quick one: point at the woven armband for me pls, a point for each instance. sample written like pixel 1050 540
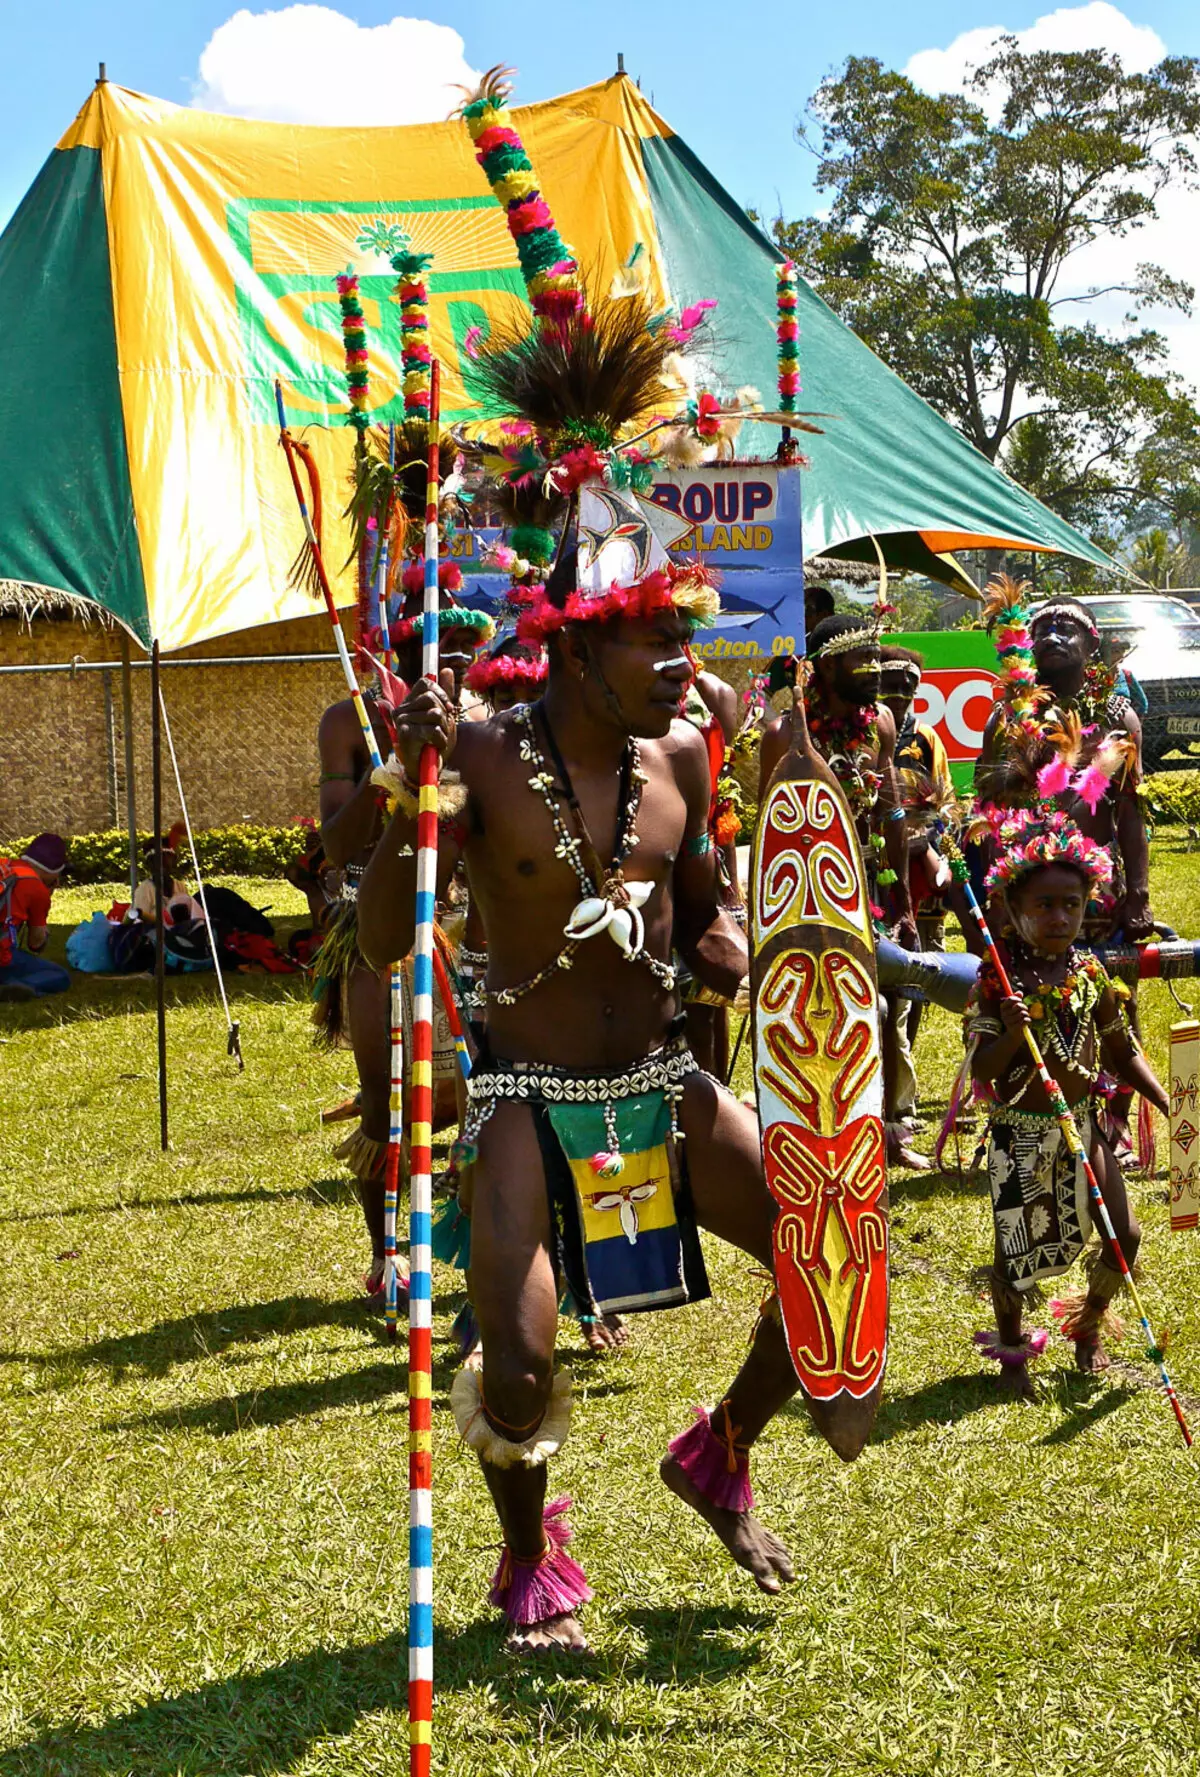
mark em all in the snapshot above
pixel 401 794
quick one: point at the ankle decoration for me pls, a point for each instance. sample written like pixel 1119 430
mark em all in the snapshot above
pixel 366 1159
pixel 1082 1318
pixel 1102 1280
pixel 714 1462
pixel 543 1438
pixel 552 1584
pixel 1013 1357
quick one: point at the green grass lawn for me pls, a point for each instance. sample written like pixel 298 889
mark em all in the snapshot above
pixel 203 1509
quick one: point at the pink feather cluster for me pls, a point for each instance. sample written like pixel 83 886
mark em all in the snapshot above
pixel 651 595
pixel 680 332
pixel 576 467
pixel 506 669
pixel 449 577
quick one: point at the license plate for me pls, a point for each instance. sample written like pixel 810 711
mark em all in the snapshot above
pixel 1183 724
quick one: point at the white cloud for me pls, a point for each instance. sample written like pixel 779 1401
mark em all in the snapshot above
pixel 1172 240
pixel 1097 25
pixel 310 64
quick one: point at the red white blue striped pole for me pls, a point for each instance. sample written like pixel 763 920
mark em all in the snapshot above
pixel 420 1258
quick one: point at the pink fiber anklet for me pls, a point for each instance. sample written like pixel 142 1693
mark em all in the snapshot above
pixel 553 1585
pixel 1013 1357
pixel 717 1469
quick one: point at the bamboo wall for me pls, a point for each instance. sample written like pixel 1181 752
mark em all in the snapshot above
pixel 245 735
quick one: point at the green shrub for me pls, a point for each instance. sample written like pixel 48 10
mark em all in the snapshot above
pixel 242 850
pixel 1173 796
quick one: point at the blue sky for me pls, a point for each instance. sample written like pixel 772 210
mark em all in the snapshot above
pixel 731 79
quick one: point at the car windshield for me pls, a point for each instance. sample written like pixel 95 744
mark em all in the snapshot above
pixel 1141 613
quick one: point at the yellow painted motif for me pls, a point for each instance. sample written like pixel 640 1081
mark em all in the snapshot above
pixel 648 1169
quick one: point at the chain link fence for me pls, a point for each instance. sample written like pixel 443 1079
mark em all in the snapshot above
pixel 76 734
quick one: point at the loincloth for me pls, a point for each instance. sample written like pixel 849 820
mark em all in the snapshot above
pixel 1039 1194
pixel 623 1227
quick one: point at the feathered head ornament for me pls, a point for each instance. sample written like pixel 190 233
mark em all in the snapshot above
pixel 1031 840
pixel 590 371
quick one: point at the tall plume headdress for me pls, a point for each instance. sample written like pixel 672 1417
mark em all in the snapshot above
pixel 577 387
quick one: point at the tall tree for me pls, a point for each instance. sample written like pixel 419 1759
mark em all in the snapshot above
pixel 950 240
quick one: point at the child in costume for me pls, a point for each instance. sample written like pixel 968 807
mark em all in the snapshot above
pixel 1040 887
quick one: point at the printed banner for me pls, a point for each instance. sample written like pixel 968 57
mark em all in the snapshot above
pixel 744 522
pixel 957 690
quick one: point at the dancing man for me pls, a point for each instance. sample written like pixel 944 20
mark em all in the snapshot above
pixel 351 996
pixel 598 1144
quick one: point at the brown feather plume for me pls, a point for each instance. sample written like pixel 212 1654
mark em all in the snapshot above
pixel 303 575
pixel 589 378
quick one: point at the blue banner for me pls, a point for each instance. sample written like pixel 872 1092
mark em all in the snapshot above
pixel 743 521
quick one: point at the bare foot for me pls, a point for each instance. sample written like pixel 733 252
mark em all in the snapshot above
pixel 609 1334
pixel 557 1635
pixel 752 1547
pixel 1091 1357
pixel 900 1151
pixel 1015 1381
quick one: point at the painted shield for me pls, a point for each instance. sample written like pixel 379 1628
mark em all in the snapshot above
pixel 819 1078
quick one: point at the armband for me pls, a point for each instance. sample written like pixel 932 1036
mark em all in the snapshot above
pixel 404 795
pixel 700 844
pixel 895 814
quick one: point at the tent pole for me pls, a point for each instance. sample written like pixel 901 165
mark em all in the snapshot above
pixel 160 891
pixel 130 788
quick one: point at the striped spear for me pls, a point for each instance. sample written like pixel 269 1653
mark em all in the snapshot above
pixel 420 1290
pixel 1071 1136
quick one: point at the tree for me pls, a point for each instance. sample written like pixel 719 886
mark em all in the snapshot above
pixel 1155 559
pixel 952 225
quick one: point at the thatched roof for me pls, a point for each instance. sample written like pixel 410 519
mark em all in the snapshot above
pixel 25 602
pixel 850 573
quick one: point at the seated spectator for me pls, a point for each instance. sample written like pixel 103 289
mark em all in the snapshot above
pixel 26 885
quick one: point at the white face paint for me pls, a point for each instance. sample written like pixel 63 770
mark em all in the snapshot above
pixel 668 666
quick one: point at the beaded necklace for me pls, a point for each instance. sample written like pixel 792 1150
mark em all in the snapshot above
pixel 1070 1002
pixel 846 743
pixel 608 902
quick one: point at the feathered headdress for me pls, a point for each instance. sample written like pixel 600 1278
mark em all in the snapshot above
pixel 590 370
pixel 518 664
pixel 1032 840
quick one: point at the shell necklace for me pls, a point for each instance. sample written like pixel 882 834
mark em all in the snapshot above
pixel 608 903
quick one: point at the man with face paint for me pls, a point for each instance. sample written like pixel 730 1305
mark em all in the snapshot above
pixel 595 1145
pixel 1067 658
pixel 856 736
pixel 353 998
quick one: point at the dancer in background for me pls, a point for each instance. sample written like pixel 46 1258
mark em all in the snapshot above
pixel 351 997
pixel 1040 887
